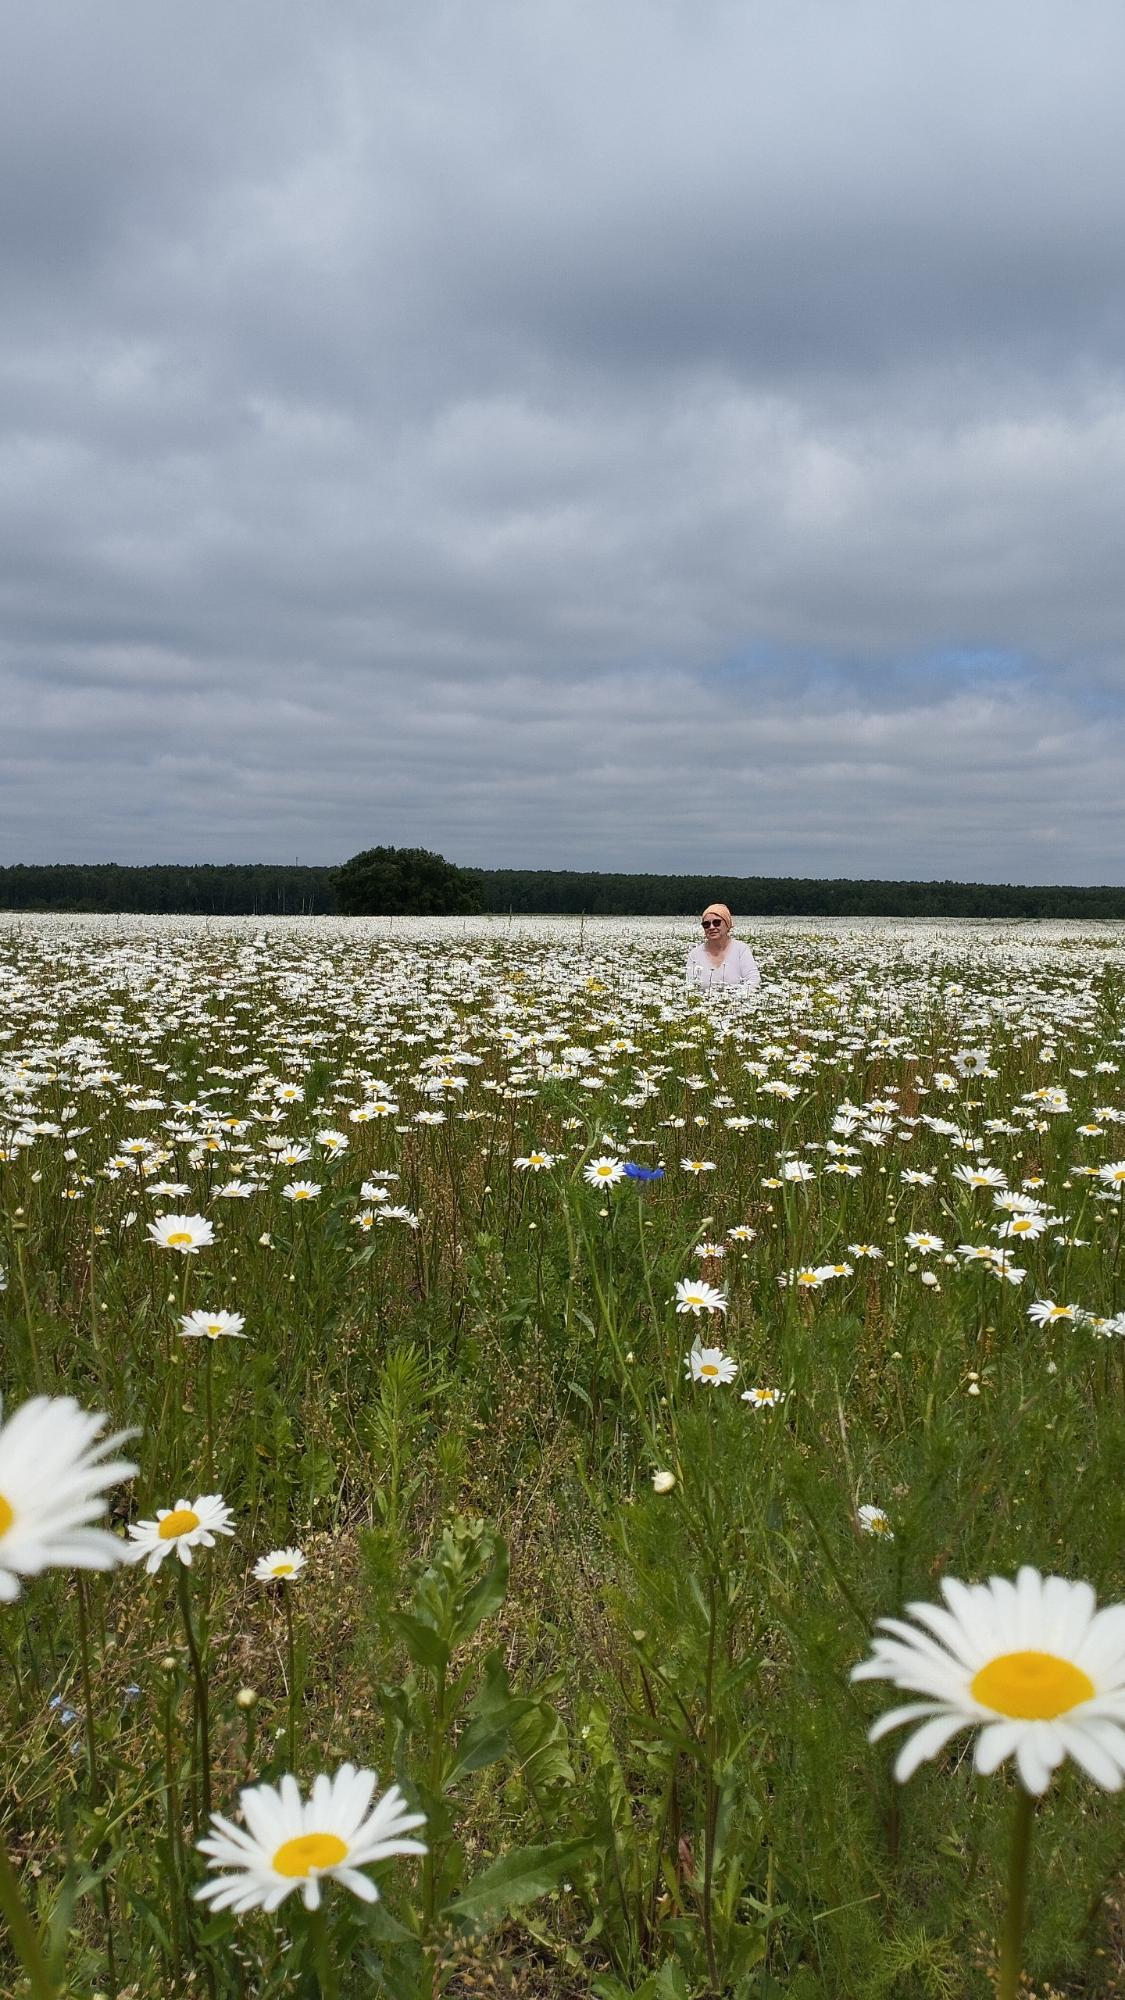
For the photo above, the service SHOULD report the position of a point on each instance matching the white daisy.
(291, 1843)
(710, 1365)
(1031, 1226)
(981, 1176)
(1033, 1665)
(873, 1521)
(301, 1190)
(605, 1172)
(280, 1566)
(186, 1526)
(810, 1279)
(1044, 1312)
(185, 1233)
(763, 1399)
(694, 1296)
(55, 1474)
(212, 1326)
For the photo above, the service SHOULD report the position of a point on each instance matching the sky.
(673, 435)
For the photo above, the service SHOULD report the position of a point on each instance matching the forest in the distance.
(265, 889)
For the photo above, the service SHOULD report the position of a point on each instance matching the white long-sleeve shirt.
(736, 967)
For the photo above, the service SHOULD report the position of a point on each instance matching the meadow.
(538, 1382)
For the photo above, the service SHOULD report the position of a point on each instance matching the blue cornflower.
(643, 1173)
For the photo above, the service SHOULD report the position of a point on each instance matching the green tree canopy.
(404, 881)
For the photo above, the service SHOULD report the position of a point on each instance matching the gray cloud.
(660, 436)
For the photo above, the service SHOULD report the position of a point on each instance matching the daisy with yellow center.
(179, 1530)
(694, 1295)
(56, 1473)
(710, 1366)
(212, 1326)
(873, 1521)
(185, 1233)
(1045, 1312)
(289, 1843)
(280, 1566)
(763, 1399)
(1031, 1226)
(301, 1190)
(1032, 1665)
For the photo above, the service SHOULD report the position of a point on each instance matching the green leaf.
(670, 1982)
(515, 1879)
(377, 1922)
(425, 1646)
(480, 1743)
(540, 1740)
(145, 1912)
(485, 1597)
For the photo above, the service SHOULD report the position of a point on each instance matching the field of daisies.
(519, 1478)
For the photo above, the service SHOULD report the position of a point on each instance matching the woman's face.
(714, 929)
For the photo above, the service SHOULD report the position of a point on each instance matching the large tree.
(404, 881)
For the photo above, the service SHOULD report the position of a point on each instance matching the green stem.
(325, 1970)
(1012, 1936)
(33, 1345)
(175, 1829)
(199, 1679)
(437, 1745)
(24, 1935)
(88, 1691)
(285, 1588)
(104, 1896)
(710, 1793)
(209, 1407)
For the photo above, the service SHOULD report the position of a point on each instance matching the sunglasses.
(712, 923)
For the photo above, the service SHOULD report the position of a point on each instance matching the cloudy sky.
(659, 434)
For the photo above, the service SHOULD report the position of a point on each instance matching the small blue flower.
(643, 1173)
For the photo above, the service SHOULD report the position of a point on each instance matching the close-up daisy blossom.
(212, 1326)
(873, 1521)
(185, 1233)
(710, 1365)
(1032, 1665)
(693, 1295)
(186, 1526)
(289, 1843)
(280, 1566)
(56, 1473)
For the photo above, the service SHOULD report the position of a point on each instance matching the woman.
(721, 960)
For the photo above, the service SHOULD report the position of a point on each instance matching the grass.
(626, 1712)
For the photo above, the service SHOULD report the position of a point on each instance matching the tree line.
(265, 889)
